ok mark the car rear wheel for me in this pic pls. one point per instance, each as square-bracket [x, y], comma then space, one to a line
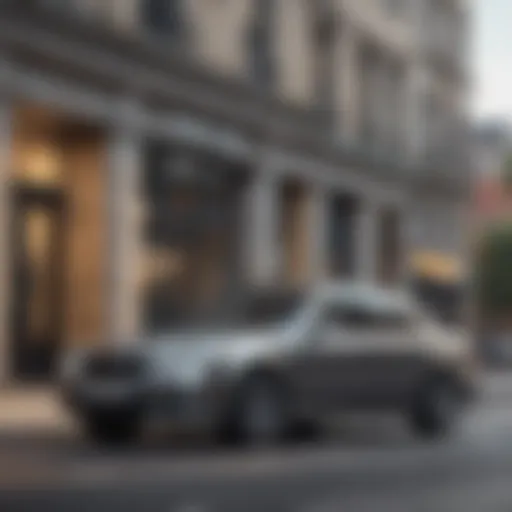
[262, 413]
[113, 428]
[436, 409]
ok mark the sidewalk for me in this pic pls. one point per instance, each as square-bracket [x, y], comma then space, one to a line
[38, 409]
[32, 409]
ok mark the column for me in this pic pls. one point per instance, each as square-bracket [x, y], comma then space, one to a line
[367, 240]
[124, 244]
[261, 233]
[5, 284]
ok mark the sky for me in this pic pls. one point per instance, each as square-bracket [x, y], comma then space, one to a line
[492, 59]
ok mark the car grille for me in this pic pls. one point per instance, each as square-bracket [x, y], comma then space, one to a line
[114, 367]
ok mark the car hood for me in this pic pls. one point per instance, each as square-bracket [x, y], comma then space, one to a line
[186, 357]
[445, 343]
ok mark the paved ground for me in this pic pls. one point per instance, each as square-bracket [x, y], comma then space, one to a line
[365, 465]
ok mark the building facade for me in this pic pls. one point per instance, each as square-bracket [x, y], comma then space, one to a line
[491, 198]
[440, 212]
[158, 157]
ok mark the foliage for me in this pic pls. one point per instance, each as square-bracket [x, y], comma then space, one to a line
[494, 270]
[506, 172]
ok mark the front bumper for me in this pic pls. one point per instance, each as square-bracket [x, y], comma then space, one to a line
[199, 408]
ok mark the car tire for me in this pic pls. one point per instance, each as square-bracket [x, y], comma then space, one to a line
[113, 429]
[262, 413]
[435, 409]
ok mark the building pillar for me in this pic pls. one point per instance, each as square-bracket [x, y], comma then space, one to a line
[367, 240]
[124, 244]
[6, 114]
[261, 232]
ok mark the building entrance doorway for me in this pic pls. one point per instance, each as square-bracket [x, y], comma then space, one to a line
[37, 252]
[342, 236]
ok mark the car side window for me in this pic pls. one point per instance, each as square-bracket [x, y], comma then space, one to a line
[374, 320]
[340, 320]
[393, 320]
[357, 318]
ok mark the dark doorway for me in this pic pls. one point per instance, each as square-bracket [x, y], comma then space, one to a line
[342, 236]
[294, 258]
[389, 247]
[37, 281]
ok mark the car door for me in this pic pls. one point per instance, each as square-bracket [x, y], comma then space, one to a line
[387, 358]
[315, 367]
[352, 353]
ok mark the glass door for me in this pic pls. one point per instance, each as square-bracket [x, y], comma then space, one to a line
[37, 259]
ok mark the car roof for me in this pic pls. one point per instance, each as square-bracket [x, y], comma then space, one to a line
[354, 293]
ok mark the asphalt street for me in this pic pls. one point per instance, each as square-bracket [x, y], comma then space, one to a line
[364, 464]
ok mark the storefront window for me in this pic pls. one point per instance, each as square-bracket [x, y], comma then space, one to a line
[192, 237]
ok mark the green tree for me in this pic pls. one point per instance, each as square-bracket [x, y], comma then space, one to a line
[506, 172]
[494, 271]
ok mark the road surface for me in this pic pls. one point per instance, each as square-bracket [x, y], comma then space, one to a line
[366, 464]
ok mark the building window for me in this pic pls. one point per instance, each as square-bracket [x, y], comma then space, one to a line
[194, 264]
[69, 7]
[323, 42]
[261, 44]
[389, 246]
[394, 127]
[163, 17]
[371, 98]
[342, 233]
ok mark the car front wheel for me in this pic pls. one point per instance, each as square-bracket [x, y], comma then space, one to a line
[113, 428]
[261, 416]
[435, 409]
